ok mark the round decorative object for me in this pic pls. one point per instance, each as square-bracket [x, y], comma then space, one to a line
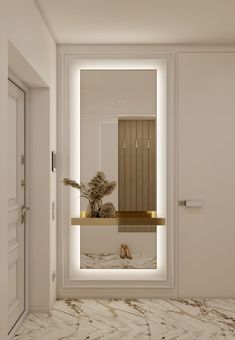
[107, 210]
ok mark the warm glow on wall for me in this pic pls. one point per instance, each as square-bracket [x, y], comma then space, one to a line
[76, 65]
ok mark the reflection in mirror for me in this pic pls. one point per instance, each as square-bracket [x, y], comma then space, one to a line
[118, 140]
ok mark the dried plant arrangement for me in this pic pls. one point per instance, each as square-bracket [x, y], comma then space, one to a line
[107, 210]
[94, 191]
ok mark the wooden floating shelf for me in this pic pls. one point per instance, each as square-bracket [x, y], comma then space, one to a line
[121, 218]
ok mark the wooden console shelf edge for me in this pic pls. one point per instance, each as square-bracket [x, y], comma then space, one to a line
[122, 218]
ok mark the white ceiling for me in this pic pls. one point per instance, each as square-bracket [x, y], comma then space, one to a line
[140, 21]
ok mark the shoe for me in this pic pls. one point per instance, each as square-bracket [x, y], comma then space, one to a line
[127, 251]
[122, 251]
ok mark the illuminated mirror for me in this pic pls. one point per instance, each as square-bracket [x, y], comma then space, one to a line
[117, 108]
[118, 137]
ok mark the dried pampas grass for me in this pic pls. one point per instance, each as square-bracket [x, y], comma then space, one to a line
[95, 190]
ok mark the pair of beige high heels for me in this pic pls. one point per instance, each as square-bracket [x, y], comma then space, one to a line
[125, 252]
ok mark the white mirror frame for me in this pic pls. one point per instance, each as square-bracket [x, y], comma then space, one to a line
[73, 281]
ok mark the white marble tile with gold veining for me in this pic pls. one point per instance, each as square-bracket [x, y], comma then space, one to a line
[113, 261]
[133, 319]
[188, 319]
[43, 326]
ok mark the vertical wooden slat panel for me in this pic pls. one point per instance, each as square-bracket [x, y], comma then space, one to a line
[137, 169]
[127, 165]
[121, 166]
[139, 166]
[133, 164]
[152, 165]
[145, 166]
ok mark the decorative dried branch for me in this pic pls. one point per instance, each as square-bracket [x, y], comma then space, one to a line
[95, 190]
[100, 187]
[72, 183]
[82, 187]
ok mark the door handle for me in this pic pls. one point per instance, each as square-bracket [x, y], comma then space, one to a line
[23, 213]
[23, 183]
[191, 204]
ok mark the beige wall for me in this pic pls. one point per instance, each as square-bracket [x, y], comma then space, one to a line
[3, 185]
[207, 172]
[22, 24]
[204, 142]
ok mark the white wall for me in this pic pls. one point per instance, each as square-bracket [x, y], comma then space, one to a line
[22, 24]
[204, 142]
[3, 185]
[207, 172]
[40, 242]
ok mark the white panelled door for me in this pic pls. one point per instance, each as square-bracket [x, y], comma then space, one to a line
[16, 224]
[207, 174]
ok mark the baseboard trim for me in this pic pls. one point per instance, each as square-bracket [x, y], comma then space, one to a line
[100, 293]
[40, 309]
[17, 325]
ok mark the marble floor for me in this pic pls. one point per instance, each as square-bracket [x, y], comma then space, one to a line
[113, 261]
[133, 319]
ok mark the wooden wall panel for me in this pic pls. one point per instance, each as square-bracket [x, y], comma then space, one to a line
[127, 176]
[137, 169]
[133, 147]
[152, 165]
[145, 177]
[121, 166]
[139, 166]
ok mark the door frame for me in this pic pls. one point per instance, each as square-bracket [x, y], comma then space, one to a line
[17, 82]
